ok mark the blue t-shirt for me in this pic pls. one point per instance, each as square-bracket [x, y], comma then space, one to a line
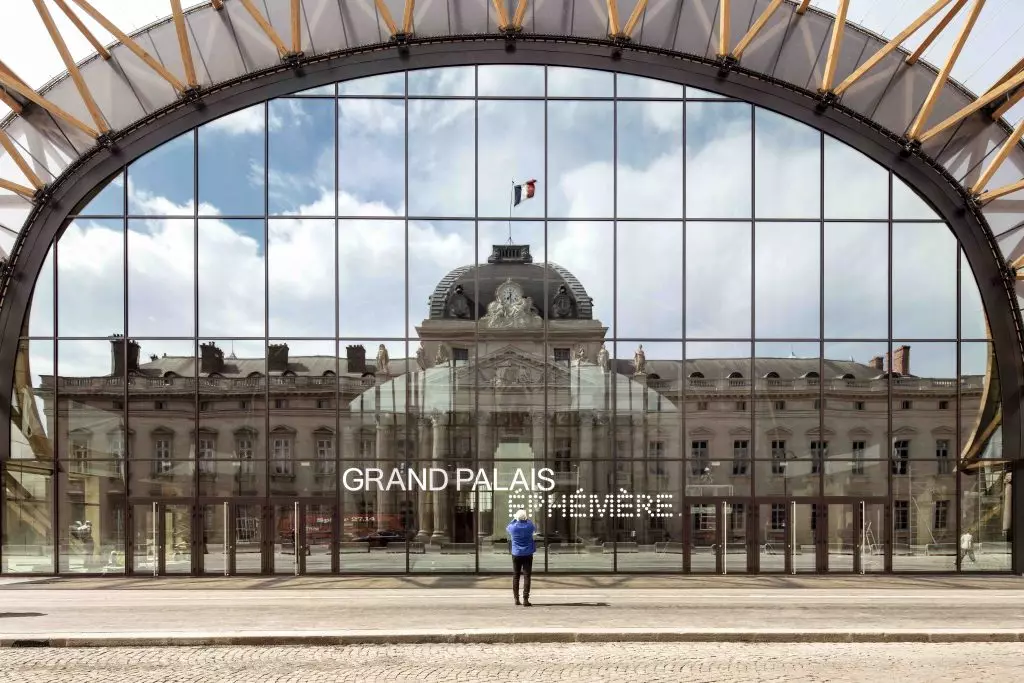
[521, 536]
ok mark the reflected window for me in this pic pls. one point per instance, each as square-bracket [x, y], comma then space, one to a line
[819, 449]
[779, 455]
[941, 519]
[778, 519]
[740, 455]
[901, 457]
[942, 456]
[700, 462]
[857, 453]
[901, 515]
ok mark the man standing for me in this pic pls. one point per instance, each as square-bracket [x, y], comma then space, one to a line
[520, 535]
[967, 547]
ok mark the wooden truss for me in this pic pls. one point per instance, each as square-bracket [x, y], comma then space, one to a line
[996, 101]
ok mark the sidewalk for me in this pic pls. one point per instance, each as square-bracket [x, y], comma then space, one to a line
[342, 610]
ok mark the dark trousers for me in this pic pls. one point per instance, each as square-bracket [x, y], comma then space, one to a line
[522, 565]
[969, 552]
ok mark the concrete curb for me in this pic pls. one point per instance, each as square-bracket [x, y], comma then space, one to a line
[343, 638]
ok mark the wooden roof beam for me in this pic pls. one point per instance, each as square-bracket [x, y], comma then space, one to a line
[9, 72]
[881, 54]
[999, 158]
[835, 46]
[131, 45]
[296, 27]
[183, 44]
[385, 15]
[15, 154]
[410, 7]
[723, 27]
[261, 21]
[756, 27]
[978, 104]
[69, 64]
[31, 95]
[520, 15]
[926, 43]
[804, 4]
[10, 102]
[83, 29]
[1012, 100]
[217, 4]
[1001, 191]
[1013, 71]
[943, 76]
[26, 192]
[613, 18]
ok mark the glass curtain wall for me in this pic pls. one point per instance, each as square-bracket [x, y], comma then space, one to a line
[354, 329]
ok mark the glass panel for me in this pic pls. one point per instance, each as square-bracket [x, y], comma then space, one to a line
[580, 159]
[876, 540]
[787, 279]
[840, 537]
[787, 167]
[570, 82]
[161, 419]
[635, 86]
[322, 91]
[650, 160]
[704, 537]
[247, 527]
[790, 446]
[450, 81]
[371, 157]
[924, 257]
[374, 86]
[856, 395]
[286, 539]
[177, 539]
[40, 314]
[162, 182]
[587, 251]
[108, 199]
[973, 322]
[230, 451]
[985, 541]
[855, 186]
[214, 552]
[319, 548]
[502, 166]
[718, 276]
[301, 153]
[907, 204]
[90, 279]
[232, 181]
[719, 442]
[441, 157]
[145, 535]
[303, 386]
[718, 146]
[644, 271]
[441, 248]
[300, 262]
[500, 80]
[28, 527]
[772, 538]
[371, 260]
[161, 286]
[856, 280]
[232, 277]
[805, 518]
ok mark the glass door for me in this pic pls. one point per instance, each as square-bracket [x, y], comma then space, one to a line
[162, 538]
[246, 548]
[705, 536]
[842, 536]
[305, 537]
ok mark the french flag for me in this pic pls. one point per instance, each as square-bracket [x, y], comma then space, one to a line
[523, 191]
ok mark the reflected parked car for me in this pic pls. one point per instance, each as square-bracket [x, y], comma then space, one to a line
[380, 539]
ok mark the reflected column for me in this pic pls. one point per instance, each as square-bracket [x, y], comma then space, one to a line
[584, 473]
[485, 461]
[424, 508]
[440, 456]
[385, 499]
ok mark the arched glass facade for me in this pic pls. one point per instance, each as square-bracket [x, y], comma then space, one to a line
[327, 333]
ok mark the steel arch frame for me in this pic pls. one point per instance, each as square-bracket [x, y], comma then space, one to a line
[949, 199]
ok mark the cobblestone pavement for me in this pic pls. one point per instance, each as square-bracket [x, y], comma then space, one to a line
[647, 662]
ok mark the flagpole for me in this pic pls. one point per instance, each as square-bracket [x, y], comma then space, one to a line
[511, 195]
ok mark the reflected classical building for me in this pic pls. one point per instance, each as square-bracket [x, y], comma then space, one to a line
[512, 371]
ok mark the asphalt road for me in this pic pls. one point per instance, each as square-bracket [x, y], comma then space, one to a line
[647, 662]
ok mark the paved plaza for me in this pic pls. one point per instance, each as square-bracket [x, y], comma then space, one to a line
[647, 662]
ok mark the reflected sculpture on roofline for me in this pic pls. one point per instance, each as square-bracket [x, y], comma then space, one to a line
[510, 308]
[640, 361]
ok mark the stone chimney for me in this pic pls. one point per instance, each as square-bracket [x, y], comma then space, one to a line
[277, 358]
[117, 355]
[877, 363]
[211, 358]
[901, 360]
[356, 357]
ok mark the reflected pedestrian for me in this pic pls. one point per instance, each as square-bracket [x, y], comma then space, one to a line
[520, 535]
[967, 547]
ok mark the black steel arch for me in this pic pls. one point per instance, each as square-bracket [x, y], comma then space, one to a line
[887, 148]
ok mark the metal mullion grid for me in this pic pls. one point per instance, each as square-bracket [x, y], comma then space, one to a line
[126, 442]
[685, 517]
[497, 219]
[955, 451]
[545, 341]
[821, 325]
[269, 512]
[615, 306]
[405, 248]
[751, 345]
[197, 558]
[476, 346]
[891, 516]
[337, 528]
[57, 460]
